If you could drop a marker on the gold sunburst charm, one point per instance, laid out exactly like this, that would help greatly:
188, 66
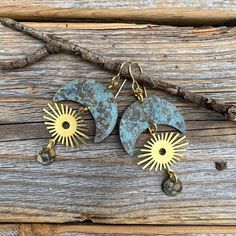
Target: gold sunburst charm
162, 151
65, 125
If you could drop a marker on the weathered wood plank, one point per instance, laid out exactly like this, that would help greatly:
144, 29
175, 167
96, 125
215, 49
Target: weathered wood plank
64, 230
184, 12
99, 182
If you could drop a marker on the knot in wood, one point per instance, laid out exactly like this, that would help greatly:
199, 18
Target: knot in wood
221, 165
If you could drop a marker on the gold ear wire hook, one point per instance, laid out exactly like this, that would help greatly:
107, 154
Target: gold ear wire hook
138, 92
116, 79
145, 91
120, 88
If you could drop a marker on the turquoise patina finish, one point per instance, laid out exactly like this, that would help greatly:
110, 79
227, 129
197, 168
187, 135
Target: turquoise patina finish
140, 116
97, 98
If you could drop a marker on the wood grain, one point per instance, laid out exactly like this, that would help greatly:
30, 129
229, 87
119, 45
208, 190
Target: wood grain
182, 12
64, 230
99, 182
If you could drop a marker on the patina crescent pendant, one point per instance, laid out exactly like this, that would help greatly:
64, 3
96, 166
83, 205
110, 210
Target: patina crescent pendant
99, 101
139, 116
66, 125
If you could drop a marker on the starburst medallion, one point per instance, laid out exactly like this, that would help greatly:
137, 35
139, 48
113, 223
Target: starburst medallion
65, 125
162, 151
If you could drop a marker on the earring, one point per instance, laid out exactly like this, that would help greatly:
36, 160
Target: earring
163, 149
66, 125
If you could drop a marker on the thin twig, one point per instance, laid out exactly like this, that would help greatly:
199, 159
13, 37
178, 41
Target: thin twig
29, 59
228, 111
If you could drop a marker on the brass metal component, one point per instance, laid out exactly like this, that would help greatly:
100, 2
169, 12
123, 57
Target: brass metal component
120, 88
173, 177
51, 143
138, 92
153, 129
83, 110
116, 79
65, 125
145, 91
114, 82
162, 151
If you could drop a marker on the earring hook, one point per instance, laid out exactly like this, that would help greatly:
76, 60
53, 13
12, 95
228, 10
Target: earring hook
116, 79
120, 88
138, 92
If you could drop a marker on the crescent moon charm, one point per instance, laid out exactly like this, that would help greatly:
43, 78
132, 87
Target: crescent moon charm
97, 98
140, 116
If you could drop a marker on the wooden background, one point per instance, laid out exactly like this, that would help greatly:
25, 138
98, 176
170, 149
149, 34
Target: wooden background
99, 183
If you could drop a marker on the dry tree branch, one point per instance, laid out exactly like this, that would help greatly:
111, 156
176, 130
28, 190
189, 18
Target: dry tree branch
29, 59
228, 111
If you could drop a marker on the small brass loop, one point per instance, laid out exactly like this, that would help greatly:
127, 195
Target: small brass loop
140, 97
138, 92
114, 82
116, 79
153, 129
51, 144
173, 176
145, 91
83, 109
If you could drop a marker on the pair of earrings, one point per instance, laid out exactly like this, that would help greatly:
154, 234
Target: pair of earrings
67, 127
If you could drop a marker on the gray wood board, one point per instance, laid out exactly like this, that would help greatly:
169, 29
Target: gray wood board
99, 182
